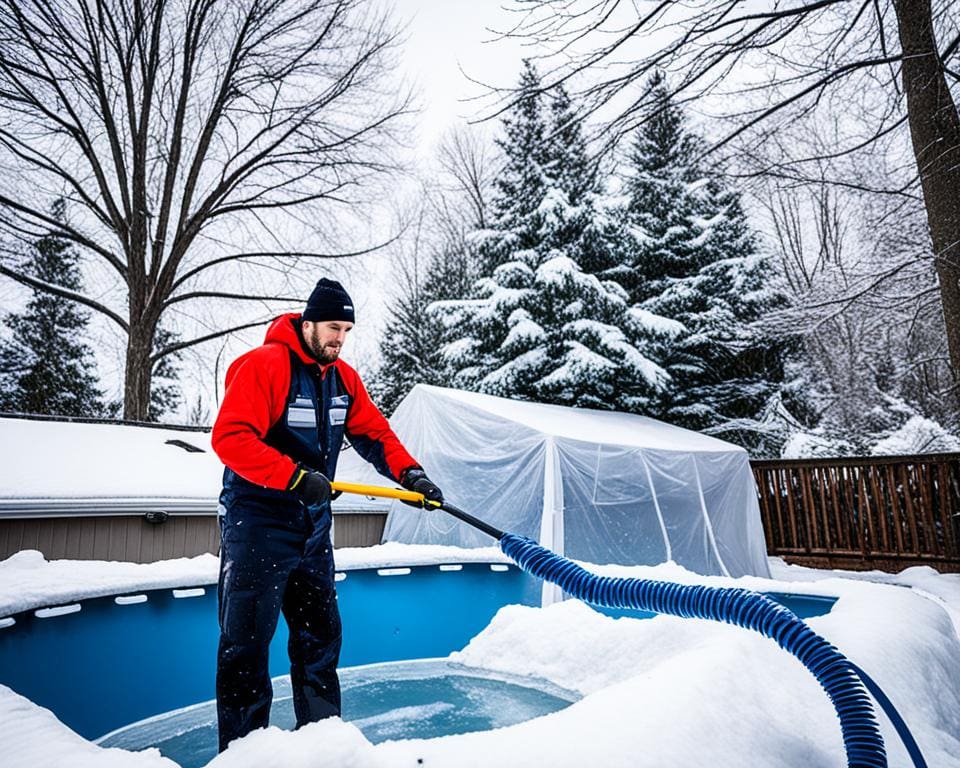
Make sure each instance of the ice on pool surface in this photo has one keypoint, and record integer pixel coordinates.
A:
(402, 700)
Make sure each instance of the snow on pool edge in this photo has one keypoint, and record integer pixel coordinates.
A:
(670, 691)
(658, 691)
(29, 581)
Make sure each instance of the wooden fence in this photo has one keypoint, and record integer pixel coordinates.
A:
(863, 513)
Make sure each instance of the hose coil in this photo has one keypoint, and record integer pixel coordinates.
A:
(751, 610)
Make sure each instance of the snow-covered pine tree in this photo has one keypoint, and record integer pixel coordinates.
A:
(541, 329)
(538, 327)
(520, 185)
(698, 263)
(432, 263)
(662, 184)
(45, 367)
(593, 221)
(411, 345)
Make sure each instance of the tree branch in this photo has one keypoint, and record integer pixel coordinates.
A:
(819, 84)
(171, 349)
(278, 254)
(61, 229)
(224, 295)
(64, 293)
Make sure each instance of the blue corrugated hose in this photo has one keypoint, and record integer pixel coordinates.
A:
(843, 681)
(839, 677)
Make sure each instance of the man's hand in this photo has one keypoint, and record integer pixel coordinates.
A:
(416, 480)
(312, 486)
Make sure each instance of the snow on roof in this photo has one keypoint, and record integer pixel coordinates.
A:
(80, 468)
(46, 463)
(607, 427)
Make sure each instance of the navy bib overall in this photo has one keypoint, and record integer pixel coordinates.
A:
(276, 556)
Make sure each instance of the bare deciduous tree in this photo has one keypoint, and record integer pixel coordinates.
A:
(432, 261)
(864, 303)
(792, 59)
(175, 129)
(465, 157)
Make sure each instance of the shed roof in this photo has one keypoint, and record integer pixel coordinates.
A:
(80, 467)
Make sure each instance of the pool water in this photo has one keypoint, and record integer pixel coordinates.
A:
(400, 700)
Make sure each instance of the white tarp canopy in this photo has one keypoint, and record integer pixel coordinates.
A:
(598, 486)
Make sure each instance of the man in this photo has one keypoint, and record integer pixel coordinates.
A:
(288, 405)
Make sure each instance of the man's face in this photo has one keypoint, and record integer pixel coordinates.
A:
(325, 338)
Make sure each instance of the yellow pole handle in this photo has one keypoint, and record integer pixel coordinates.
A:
(381, 491)
(420, 499)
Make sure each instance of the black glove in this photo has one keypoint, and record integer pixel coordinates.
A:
(416, 480)
(312, 486)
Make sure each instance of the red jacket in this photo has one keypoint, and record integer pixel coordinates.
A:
(256, 392)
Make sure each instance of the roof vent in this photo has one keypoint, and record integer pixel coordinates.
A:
(189, 447)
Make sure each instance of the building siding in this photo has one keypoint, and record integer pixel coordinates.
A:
(130, 538)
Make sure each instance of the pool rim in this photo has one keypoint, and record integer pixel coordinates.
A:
(542, 685)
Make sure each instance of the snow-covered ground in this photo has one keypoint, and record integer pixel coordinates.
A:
(656, 692)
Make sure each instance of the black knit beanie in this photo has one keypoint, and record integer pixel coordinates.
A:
(328, 302)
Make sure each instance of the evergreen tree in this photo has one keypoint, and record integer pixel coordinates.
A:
(567, 161)
(45, 367)
(665, 188)
(699, 264)
(538, 326)
(411, 346)
(521, 184)
(541, 329)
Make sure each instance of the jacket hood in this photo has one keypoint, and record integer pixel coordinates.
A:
(283, 330)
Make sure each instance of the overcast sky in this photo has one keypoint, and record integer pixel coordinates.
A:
(444, 40)
(446, 43)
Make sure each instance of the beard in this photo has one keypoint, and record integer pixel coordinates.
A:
(325, 353)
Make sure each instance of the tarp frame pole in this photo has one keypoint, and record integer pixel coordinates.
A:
(551, 521)
(706, 518)
(656, 506)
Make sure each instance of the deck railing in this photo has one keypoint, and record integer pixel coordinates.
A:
(862, 513)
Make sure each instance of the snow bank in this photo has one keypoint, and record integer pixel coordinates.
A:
(29, 581)
(328, 744)
(32, 737)
(704, 693)
(662, 691)
(942, 588)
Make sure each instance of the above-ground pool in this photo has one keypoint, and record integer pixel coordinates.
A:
(149, 658)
